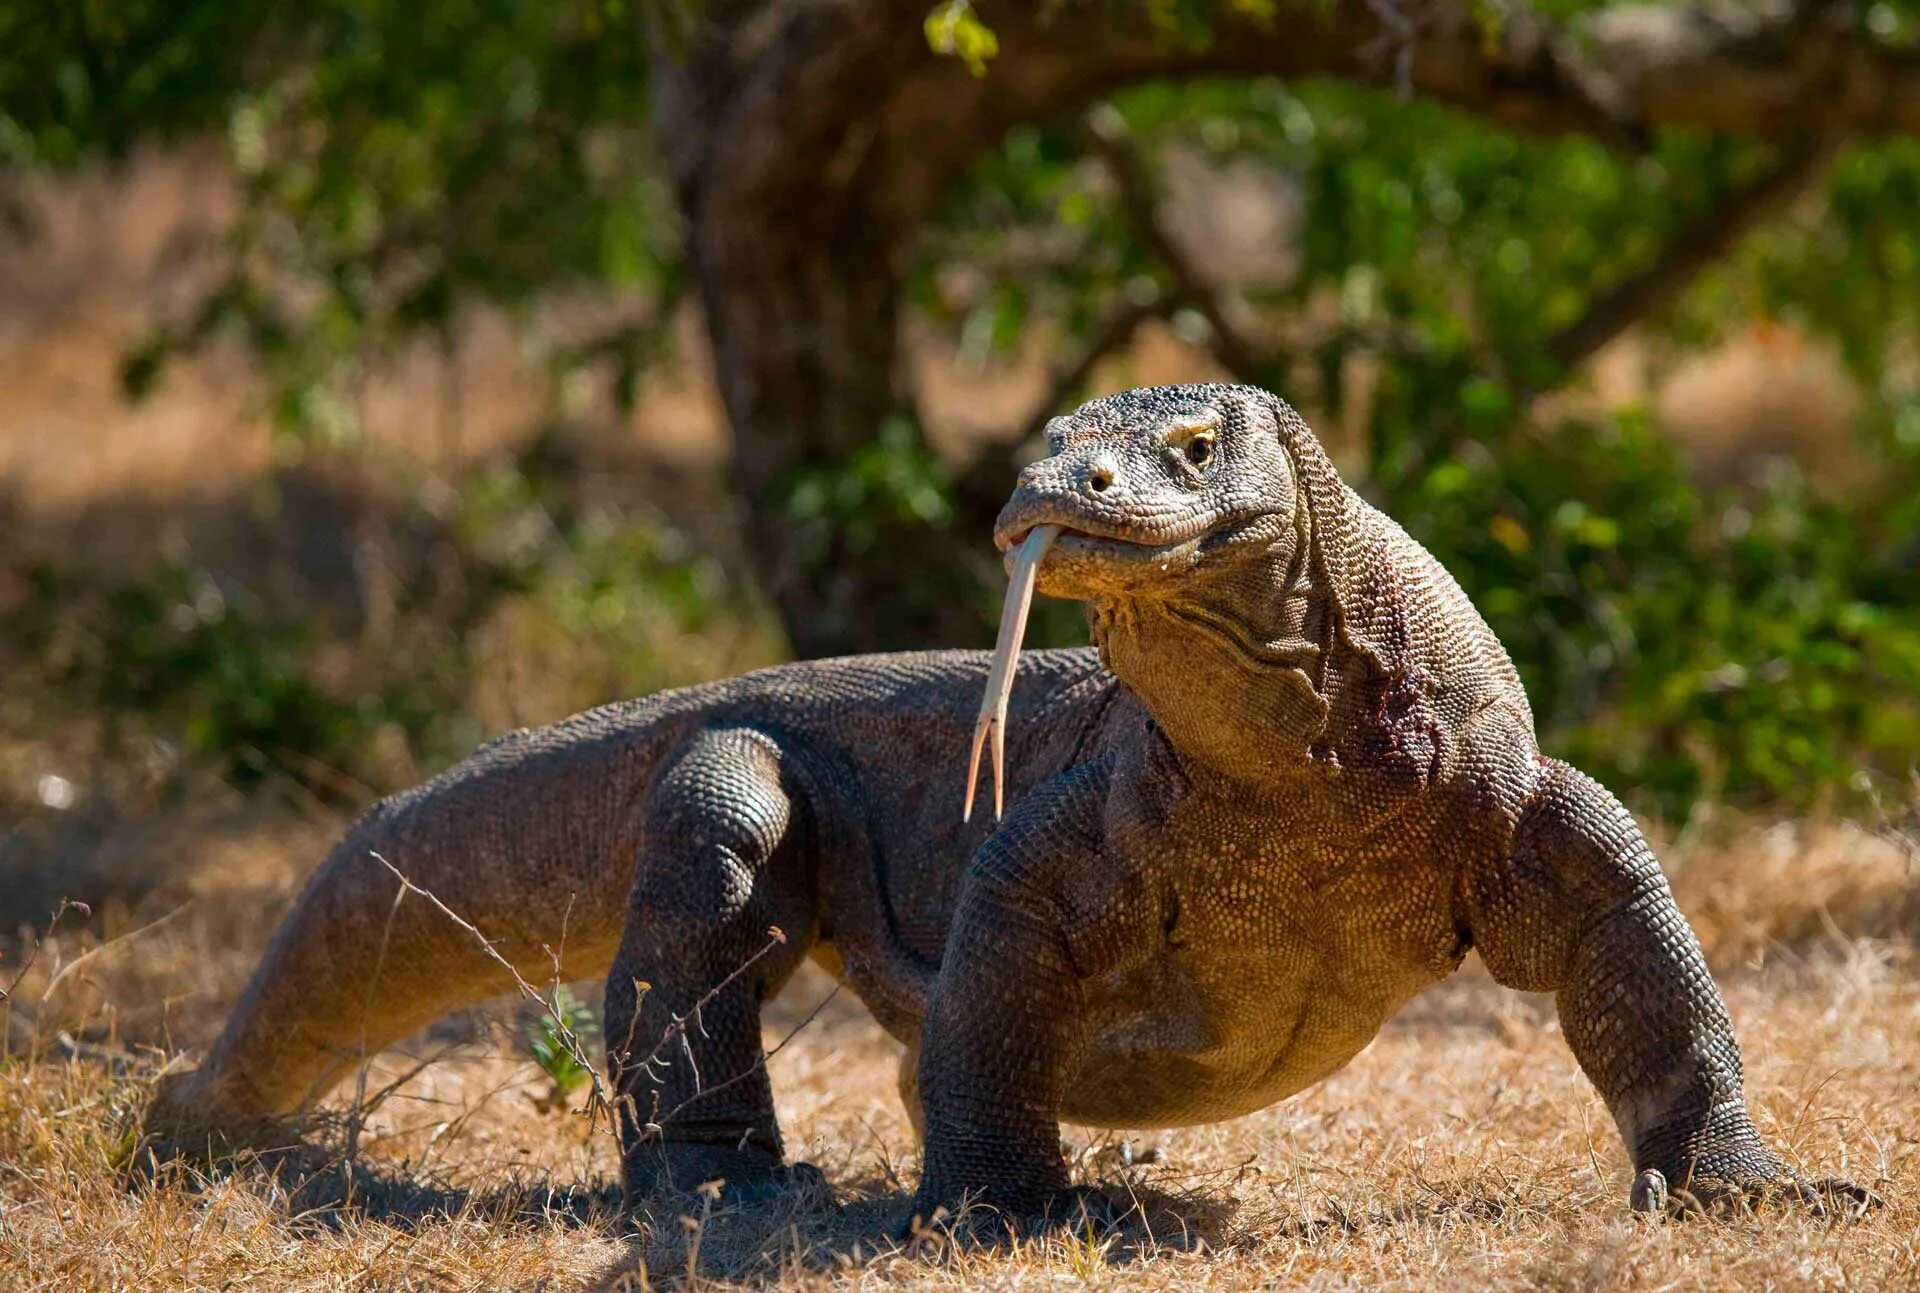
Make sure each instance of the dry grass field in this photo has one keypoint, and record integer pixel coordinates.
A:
(1462, 1149)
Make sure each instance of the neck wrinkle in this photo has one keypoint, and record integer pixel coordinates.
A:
(1235, 679)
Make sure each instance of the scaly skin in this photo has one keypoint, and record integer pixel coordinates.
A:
(1296, 782)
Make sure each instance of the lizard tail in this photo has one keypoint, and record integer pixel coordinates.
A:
(528, 842)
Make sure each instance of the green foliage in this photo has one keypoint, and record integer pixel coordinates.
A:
(550, 1050)
(639, 605)
(84, 78)
(1750, 644)
(955, 30)
(1756, 642)
(863, 510)
(202, 662)
(855, 502)
(1853, 275)
(399, 161)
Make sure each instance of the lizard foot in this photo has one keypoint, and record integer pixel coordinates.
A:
(731, 1177)
(1080, 1209)
(1711, 1194)
(800, 1179)
(1076, 1210)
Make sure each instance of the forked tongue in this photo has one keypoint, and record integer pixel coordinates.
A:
(1006, 652)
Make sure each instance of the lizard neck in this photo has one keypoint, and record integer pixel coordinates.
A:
(1234, 674)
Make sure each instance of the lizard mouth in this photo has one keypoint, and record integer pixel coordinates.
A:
(1083, 546)
(1074, 539)
(1079, 533)
(1028, 542)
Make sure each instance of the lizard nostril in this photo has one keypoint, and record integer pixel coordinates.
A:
(1100, 479)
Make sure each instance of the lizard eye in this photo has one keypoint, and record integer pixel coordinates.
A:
(1199, 450)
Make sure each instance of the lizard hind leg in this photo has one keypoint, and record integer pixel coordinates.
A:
(723, 862)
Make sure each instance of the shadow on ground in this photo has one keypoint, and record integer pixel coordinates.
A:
(864, 1223)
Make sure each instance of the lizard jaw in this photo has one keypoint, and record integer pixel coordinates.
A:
(1086, 532)
(1088, 565)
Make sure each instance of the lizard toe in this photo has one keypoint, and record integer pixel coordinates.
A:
(1745, 1195)
(1841, 1197)
(1649, 1193)
(1082, 1208)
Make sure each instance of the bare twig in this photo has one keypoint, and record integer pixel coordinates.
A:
(1396, 37)
(982, 487)
(357, 1119)
(116, 941)
(66, 905)
(676, 1029)
(659, 1123)
(599, 1098)
(381, 1096)
(33, 953)
(604, 1095)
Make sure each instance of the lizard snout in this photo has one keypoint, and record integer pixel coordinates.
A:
(1086, 492)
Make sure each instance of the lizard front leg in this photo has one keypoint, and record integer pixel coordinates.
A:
(1581, 908)
(1043, 907)
(720, 864)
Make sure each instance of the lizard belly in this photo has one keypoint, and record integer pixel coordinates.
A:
(1185, 1040)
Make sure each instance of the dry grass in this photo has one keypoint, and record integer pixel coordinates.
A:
(1462, 1149)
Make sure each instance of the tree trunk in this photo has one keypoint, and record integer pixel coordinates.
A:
(776, 124)
(809, 140)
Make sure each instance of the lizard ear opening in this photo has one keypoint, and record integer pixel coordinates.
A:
(1343, 547)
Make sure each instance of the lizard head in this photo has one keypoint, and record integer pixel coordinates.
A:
(1216, 514)
(1155, 490)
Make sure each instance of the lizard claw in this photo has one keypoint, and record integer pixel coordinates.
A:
(1649, 1192)
(1707, 1196)
(1006, 651)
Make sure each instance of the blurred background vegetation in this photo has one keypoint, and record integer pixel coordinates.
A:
(376, 375)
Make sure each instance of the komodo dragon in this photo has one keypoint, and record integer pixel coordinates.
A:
(1296, 781)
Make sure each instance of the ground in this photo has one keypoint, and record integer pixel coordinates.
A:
(1461, 1149)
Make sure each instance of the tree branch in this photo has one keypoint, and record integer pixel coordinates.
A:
(1707, 238)
(1108, 139)
(1774, 67)
(808, 140)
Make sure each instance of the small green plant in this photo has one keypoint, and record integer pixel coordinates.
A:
(550, 1050)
